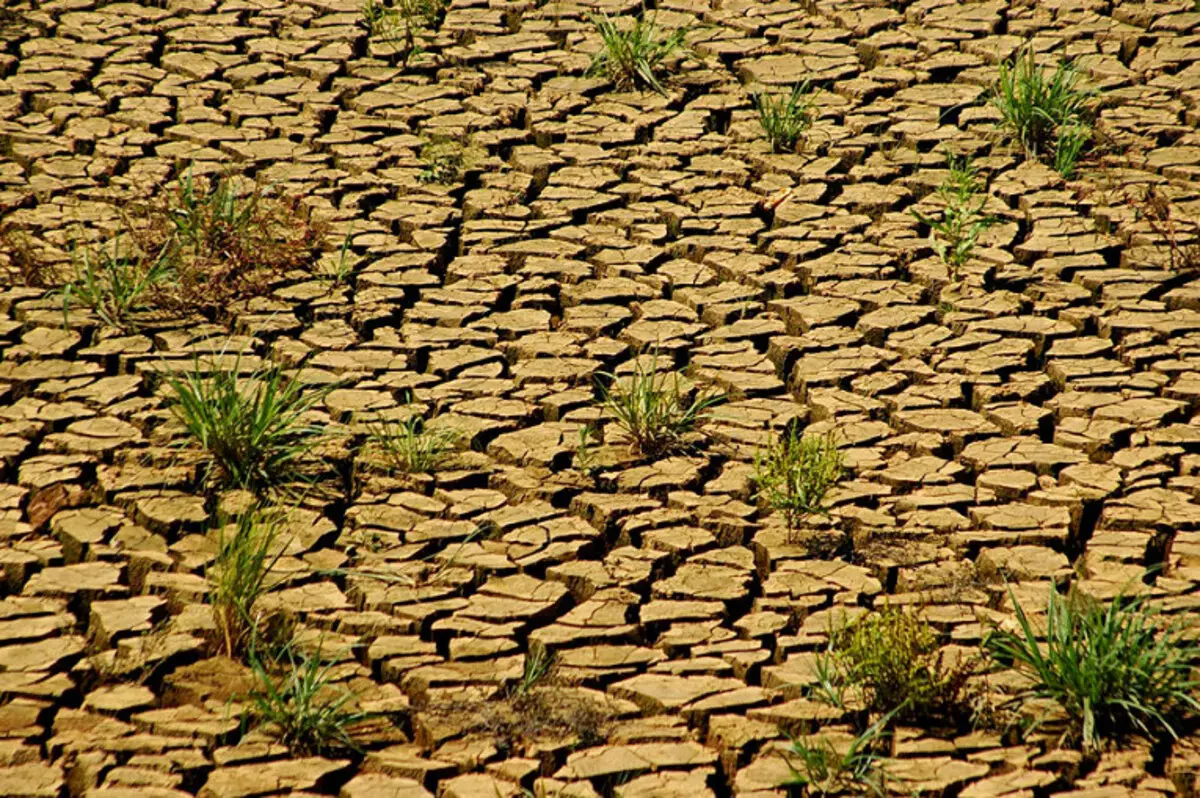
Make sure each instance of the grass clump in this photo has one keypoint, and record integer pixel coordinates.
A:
(447, 159)
(304, 709)
(794, 474)
(955, 232)
(891, 659)
(819, 768)
(252, 429)
(1046, 112)
(785, 118)
(1115, 670)
(409, 446)
(632, 55)
(406, 24)
(115, 284)
(239, 576)
(1183, 245)
(653, 409)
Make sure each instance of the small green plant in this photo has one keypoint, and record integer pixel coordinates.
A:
(652, 408)
(1114, 669)
(632, 55)
(247, 551)
(793, 474)
(1046, 112)
(406, 25)
(409, 446)
(340, 270)
(538, 666)
(305, 711)
(115, 283)
(786, 117)
(252, 428)
(892, 659)
(818, 768)
(956, 231)
(447, 159)
(585, 457)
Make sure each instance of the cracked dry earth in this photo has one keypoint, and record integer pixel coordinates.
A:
(1034, 422)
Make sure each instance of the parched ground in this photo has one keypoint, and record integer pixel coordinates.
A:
(1034, 422)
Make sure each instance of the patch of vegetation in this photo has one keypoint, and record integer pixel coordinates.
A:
(409, 446)
(116, 284)
(955, 232)
(407, 25)
(239, 576)
(228, 244)
(17, 249)
(251, 428)
(304, 709)
(785, 118)
(794, 473)
(653, 409)
(1047, 112)
(891, 659)
(447, 159)
(1115, 670)
(634, 52)
(819, 768)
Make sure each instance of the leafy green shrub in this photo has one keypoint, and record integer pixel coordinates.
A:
(633, 55)
(652, 408)
(956, 231)
(252, 429)
(1046, 112)
(891, 657)
(794, 474)
(1114, 669)
(785, 118)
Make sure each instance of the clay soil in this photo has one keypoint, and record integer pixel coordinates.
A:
(1029, 422)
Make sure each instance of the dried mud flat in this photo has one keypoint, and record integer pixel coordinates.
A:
(1031, 423)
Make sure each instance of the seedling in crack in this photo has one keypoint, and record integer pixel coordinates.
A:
(240, 575)
(653, 409)
(1048, 113)
(794, 474)
(252, 429)
(1115, 669)
(409, 446)
(304, 709)
(956, 230)
(115, 283)
(785, 118)
(407, 25)
(634, 53)
(819, 768)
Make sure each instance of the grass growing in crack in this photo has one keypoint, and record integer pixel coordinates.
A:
(785, 118)
(819, 768)
(238, 577)
(956, 231)
(252, 428)
(406, 24)
(1114, 669)
(794, 473)
(633, 55)
(538, 665)
(115, 284)
(447, 159)
(891, 657)
(1046, 112)
(409, 446)
(653, 410)
(304, 710)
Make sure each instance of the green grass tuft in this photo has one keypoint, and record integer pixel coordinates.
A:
(239, 576)
(115, 283)
(786, 117)
(793, 474)
(409, 446)
(632, 55)
(1046, 112)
